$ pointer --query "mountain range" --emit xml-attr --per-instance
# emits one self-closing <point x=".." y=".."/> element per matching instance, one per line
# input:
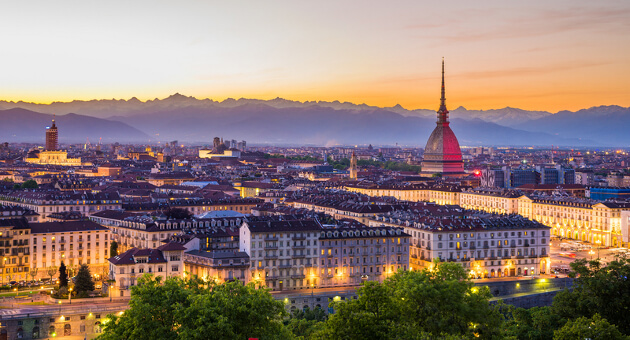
<point x="281" y="121"/>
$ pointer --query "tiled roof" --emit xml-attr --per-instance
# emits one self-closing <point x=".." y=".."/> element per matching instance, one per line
<point x="128" y="257"/>
<point x="56" y="227"/>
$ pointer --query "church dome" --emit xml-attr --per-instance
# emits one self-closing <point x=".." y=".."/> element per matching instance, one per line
<point x="443" y="141"/>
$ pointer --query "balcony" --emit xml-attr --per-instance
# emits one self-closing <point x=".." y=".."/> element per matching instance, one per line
<point x="271" y="257"/>
<point x="299" y="247"/>
<point x="298" y="276"/>
<point x="285" y="266"/>
<point x="271" y="238"/>
<point x="297" y="256"/>
<point x="271" y="246"/>
<point x="298" y="238"/>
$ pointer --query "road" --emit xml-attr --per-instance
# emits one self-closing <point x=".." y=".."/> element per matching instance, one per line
<point x="67" y="308"/>
<point x="563" y="262"/>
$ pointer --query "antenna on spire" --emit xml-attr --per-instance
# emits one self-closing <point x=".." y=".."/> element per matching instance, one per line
<point x="443" y="112"/>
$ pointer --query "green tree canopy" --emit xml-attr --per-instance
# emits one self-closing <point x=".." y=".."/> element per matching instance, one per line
<point x="30" y="184"/>
<point x="179" y="308"/>
<point x="63" y="276"/>
<point x="113" y="249"/>
<point x="177" y="213"/>
<point x="595" y="328"/>
<point x="413" y="304"/>
<point x="83" y="282"/>
<point x="306" y="323"/>
<point x="537" y="323"/>
<point x="603" y="290"/>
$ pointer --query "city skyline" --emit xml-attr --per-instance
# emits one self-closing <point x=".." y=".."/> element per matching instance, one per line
<point x="537" y="56"/>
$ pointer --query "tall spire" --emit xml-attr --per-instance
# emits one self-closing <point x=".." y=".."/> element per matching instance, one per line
<point x="442" y="112"/>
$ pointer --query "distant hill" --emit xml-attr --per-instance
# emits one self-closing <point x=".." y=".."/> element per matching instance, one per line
<point x="317" y="122"/>
<point x="322" y="126"/>
<point x="609" y="125"/>
<point x="106" y="108"/>
<point x="20" y="125"/>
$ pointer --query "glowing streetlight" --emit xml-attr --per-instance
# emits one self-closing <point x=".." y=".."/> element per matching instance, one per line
<point x="70" y="295"/>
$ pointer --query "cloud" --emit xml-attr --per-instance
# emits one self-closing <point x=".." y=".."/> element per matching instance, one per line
<point x="530" y="70"/>
<point x="528" y="24"/>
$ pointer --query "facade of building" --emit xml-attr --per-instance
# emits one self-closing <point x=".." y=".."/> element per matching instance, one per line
<point x="486" y="246"/>
<point x="125" y="269"/>
<point x="351" y="255"/>
<point x="15" y="238"/>
<point x="51" y="154"/>
<point x="353" y="166"/>
<point x="283" y="254"/>
<point x="45" y="203"/>
<point x="568" y="216"/>
<point x="52" y="137"/>
<point x="72" y="242"/>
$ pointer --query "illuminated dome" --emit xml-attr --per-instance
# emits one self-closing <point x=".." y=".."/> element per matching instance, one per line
<point x="442" y="153"/>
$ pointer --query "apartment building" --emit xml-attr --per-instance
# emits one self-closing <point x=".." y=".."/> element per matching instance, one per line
<point x="134" y="230"/>
<point x="568" y="216"/>
<point x="71" y="242"/>
<point x="45" y="203"/>
<point x="283" y="253"/>
<point x="14" y="249"/>
<point x="486" y="245"/>
<point x="491" y="200"/>
<point x="349" y="255"/>
<point x="125" y="269"/>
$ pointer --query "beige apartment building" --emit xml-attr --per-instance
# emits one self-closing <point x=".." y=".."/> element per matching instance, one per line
<point x="73" y="242"/>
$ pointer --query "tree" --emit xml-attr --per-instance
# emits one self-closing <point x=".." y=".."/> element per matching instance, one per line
<point x="177" y="213"/>
<point x="30" y="184"/>
<point x="51" y="271"/>
<point x="83" y="282"/>
<point x="537" y="323"/>
<point x="179" y="308"/>
<point x="597" y="290"/>
<point x="33" y="273"/>
<point x="413" y="304"/>
<point x="63" y="276"/>
<point x="589" y="328"/>
<point x="306" y="323"/>
<point x="113" y="249"/>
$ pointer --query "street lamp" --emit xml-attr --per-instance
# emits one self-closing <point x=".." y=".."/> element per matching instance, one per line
<point x="16" y="291"/>
<point x="70" y="295"/>
<point x="312" y="292"/>
<point x="110" y="292"/>
<point x="598" y="242"/>
<point x="591" y="252"/>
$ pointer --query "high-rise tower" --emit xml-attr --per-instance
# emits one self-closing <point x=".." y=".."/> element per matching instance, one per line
<point x="442" y="153"/>
<point x="52" y="136"/>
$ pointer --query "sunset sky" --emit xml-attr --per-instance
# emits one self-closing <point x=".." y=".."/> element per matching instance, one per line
<point x="536" y="55"/>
